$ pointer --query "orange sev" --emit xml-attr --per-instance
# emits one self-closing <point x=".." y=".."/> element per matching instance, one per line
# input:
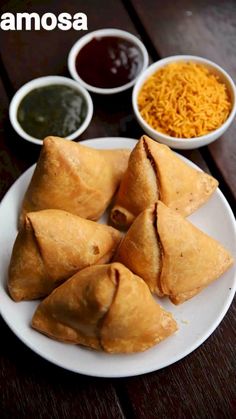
<point x="184" y="100"/>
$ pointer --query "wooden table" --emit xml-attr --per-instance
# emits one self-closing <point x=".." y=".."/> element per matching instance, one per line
<point x="203" y="384"/>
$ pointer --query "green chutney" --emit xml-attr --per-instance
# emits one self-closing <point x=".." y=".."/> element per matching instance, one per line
<point x="52" y="110"/>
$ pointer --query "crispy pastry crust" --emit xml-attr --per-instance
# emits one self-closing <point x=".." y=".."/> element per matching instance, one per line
<point x="51" y="246"/>
<point x="74" y="178"/>
<point x="104" y="307"/>
<point x="140" y="249"/>
<point x="155" y="172"/>
<point x="191" y="259"/>
<point x="174" y="257"/>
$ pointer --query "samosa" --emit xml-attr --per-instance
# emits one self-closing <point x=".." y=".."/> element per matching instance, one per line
<point x="156" y="173"/>
<point x="74" y="178"/>
<point x="51" y="246"/>
<point x="174" y="257"/>
<point x="107" y="308"/>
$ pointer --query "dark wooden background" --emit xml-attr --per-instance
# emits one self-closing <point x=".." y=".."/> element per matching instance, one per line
<point x="203" y="384"/>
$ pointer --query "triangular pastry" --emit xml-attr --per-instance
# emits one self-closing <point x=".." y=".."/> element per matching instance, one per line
<point x="51" y="246"/>
<point x="107" y="308"/>
<point x="155" y="172"/>
<point x="74" y="178"/>
<point x="174" y="257"/>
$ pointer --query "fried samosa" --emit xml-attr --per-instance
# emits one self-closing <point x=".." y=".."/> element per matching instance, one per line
<point x="174" y="257"/>
<point x="74" y="178"/>
<point x="51" y="246"/>
<point x="155" y="172"/>
<point x="107" y="308"/>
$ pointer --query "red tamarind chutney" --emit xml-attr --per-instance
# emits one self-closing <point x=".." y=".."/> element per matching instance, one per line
<point x="109" y="62"/>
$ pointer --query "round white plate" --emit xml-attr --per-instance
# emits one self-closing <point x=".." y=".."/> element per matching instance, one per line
<point x="197" y="318"/>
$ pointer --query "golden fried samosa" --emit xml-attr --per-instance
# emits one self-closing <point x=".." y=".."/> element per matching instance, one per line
<point x="155" y="172"/>
<point x="51" y="246"/>
<point x="174" y="257"/>
<point x="74" y="178"/>
<point x="107" y="308"/>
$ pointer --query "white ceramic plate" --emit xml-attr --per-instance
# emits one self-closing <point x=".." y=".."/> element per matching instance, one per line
<point x="197" y="318"/>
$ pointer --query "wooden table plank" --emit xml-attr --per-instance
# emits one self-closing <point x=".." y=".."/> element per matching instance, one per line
<point x="205" y="28"/>
<point x="27" y="55"/>
<point x="36" y="385"/>
<point x="16" y="155"/>
<point x="32" y="387"/>
<point x="23" y="62"/>
<point x="8" y="171"/>
<point x="202" y="385"/>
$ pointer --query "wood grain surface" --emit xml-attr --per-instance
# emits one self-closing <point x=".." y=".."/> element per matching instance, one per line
<point x="112" y="117"/>
<point x="203" y="384"/>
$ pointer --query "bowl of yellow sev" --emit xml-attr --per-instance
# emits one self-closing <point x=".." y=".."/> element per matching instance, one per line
<point x="184" y="101"/>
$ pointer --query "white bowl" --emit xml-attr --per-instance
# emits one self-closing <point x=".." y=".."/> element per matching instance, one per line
<point x="184" y="143"/>
<point x="104" y="33"/>
<point x="46" y="81"/>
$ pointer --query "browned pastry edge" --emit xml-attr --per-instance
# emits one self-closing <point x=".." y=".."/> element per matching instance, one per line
<point x="116" y="279"/>
<point x="153" y="165"/>
<point x="159" y="244"/>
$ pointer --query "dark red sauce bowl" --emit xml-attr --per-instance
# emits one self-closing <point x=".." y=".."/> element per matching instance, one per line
<point x="107" y="61"/>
